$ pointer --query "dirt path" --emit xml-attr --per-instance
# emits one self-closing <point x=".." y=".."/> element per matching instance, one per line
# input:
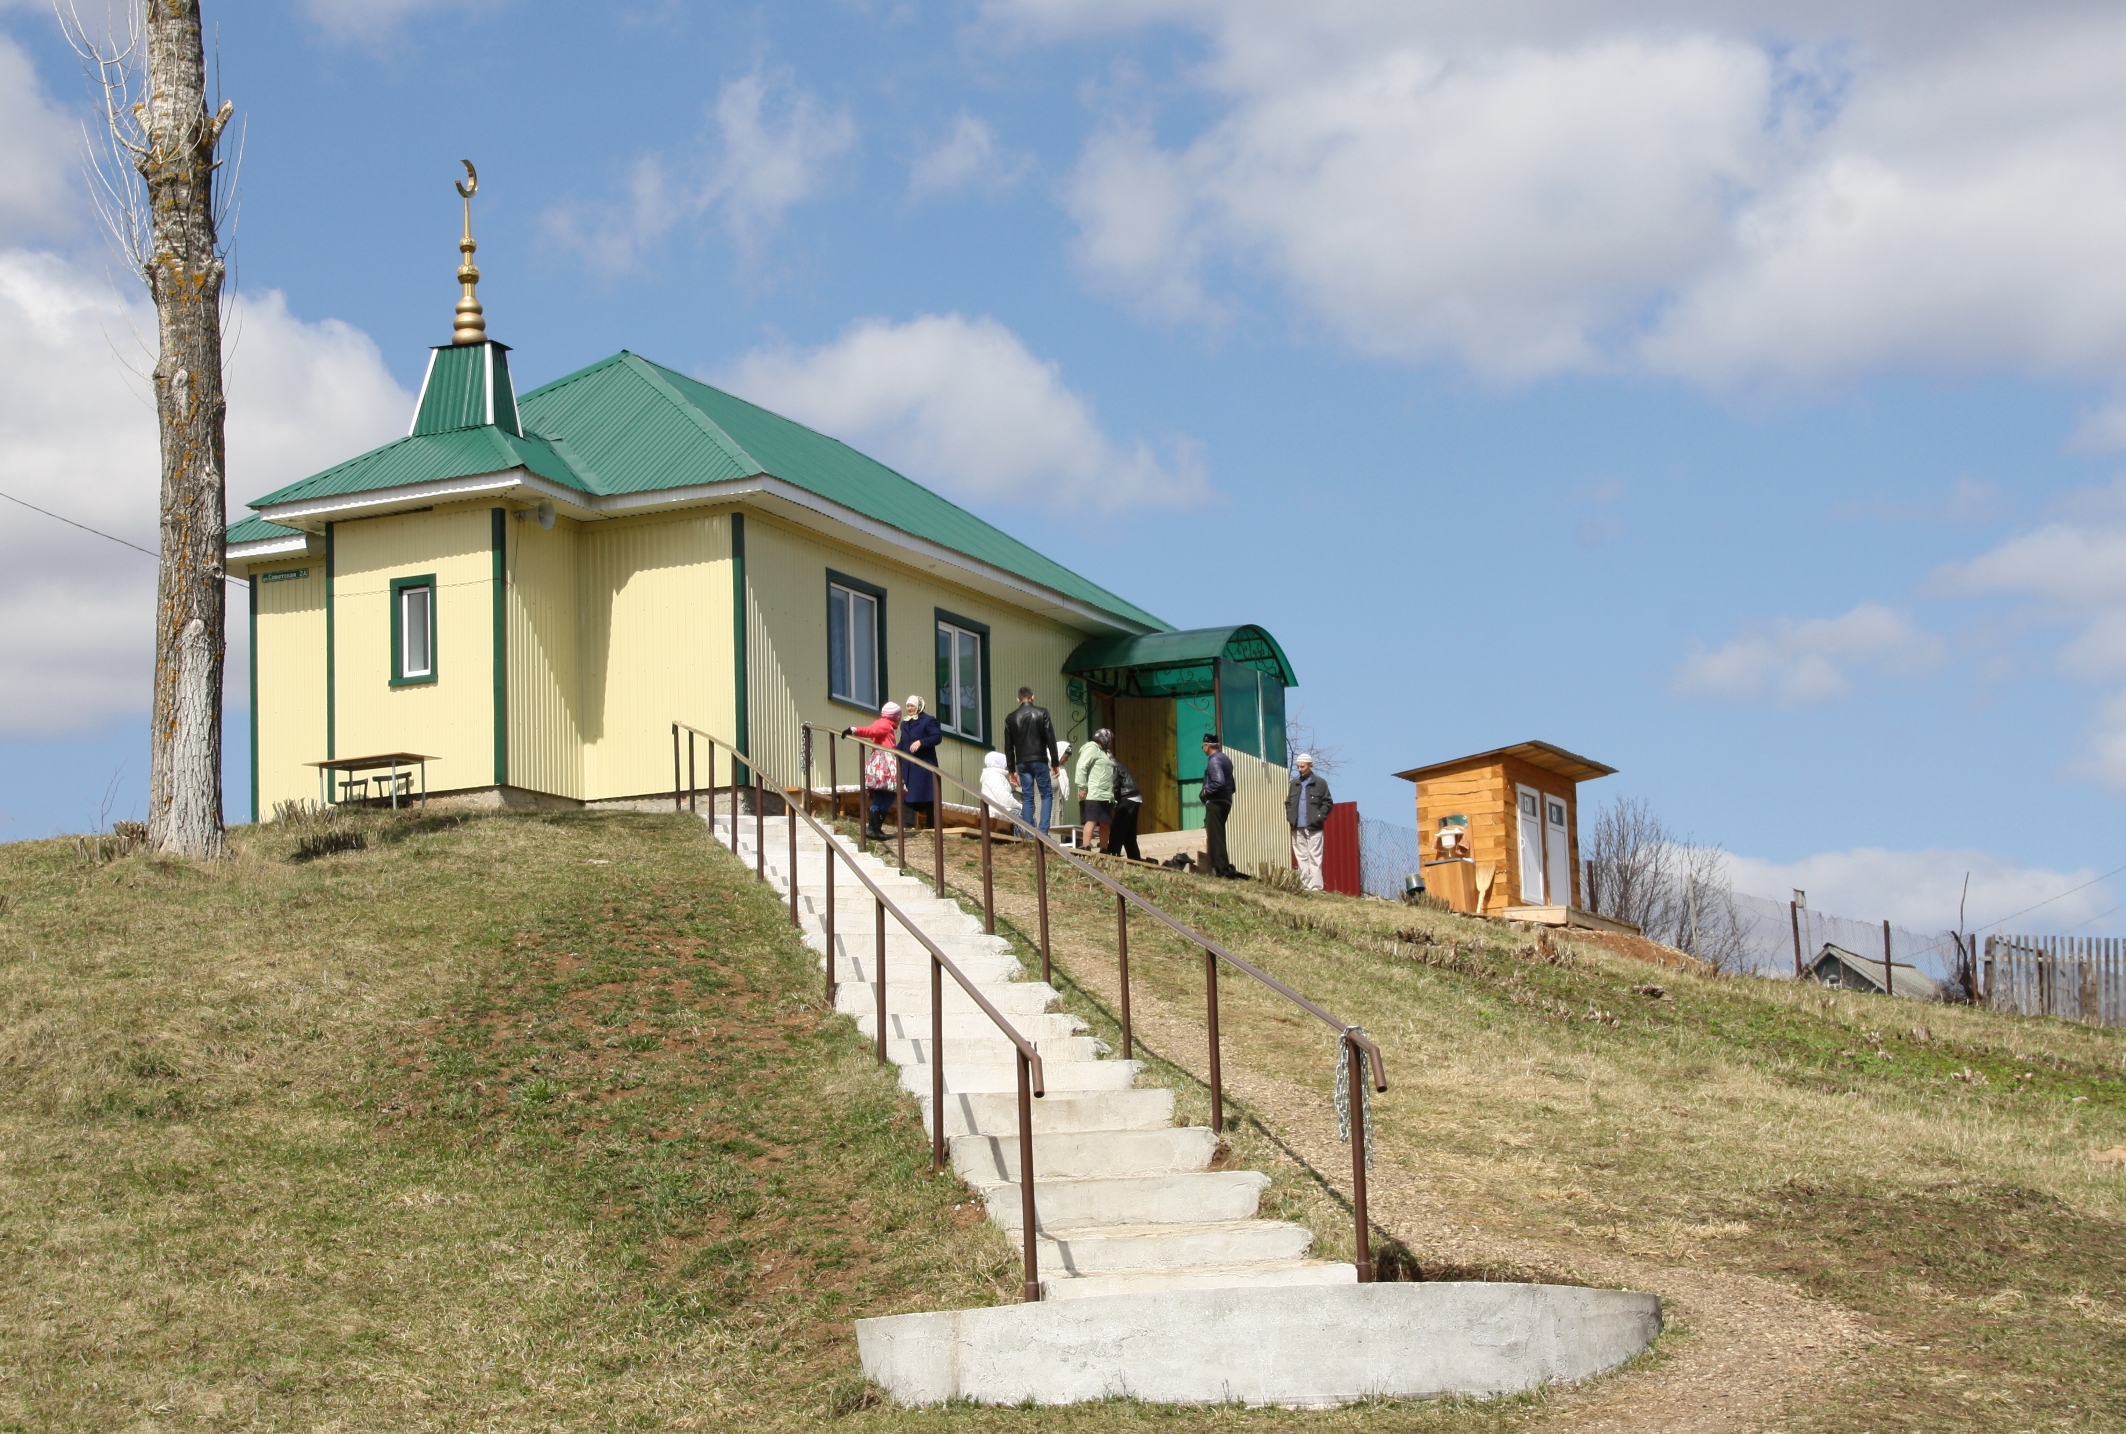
<point x="1742" y="1352"/>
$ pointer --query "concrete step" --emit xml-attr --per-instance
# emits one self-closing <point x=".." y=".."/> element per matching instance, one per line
<point x="1064" y="1112"/>
<point x="990" y="1049"/>
<point x="1275" y="1274"/>
<point x="1135" y="1200"/>
<point x="984" y="967"/>
<point x="1299" y="1346"/>
<point x="1064" y="1075"/>
<point x="1133" y="1249"/>
<point x="915" y="1025"/>
<point x="1011" y="997"/>
<point x="1176" y="1150"/>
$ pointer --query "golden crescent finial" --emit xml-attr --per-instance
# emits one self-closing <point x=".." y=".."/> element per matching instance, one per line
<point x="471" y="324"/>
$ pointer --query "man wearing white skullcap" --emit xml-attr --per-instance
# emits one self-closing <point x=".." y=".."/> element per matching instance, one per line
<point x="1306" y="807"/>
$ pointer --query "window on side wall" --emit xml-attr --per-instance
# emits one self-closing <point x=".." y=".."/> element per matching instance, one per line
<point x="962" y="673"/>
<point x="413" y="630"/>
<point x="855" y="660"/>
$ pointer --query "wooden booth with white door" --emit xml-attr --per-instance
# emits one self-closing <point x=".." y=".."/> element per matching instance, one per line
<point x="1500" y="830"/>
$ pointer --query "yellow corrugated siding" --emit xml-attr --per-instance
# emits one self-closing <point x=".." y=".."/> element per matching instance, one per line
<point x="545" y="680"/>
<point x="452" y="718"/>
<point x="290" y="653"/>
<point x="654" y="640"/>
<point x="786" y="573"/>
<point x="1257" y="832"/>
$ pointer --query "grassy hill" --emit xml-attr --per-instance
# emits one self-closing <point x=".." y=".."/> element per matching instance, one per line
<point x="529" y="1122"/>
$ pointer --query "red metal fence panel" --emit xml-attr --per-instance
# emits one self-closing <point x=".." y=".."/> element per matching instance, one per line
<point x="1341" y="870"/>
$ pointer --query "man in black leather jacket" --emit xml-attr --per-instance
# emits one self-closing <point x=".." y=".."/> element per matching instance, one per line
<point x="1030" y="749"/>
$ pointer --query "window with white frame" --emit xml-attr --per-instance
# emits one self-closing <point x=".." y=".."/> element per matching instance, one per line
<point x="413" y="630"/>
<point x="853" y="667"/>
<point x="960" y="686"/>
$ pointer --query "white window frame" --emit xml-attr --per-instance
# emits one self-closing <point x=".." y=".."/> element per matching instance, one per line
<point x="955" y="723"/>
<point x="845" y="600"/>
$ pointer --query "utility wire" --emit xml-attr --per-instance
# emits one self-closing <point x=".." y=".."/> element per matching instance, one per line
<point x="99" y="532"/>
<point x="2050" y="899"/>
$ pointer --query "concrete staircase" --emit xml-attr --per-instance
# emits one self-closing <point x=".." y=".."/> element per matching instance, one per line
<point x="1159" y="1279"/>
<point x="1124" y="1200"/>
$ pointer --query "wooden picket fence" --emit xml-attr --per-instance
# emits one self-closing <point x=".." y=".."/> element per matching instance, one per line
<point x="2075" y="978"/>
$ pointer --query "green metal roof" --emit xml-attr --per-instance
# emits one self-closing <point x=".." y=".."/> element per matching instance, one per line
<point x="1198" y="647"/>
<point x="252" y="530"/>
<point x="626" y="425"/>
<point x="463" y="382"/>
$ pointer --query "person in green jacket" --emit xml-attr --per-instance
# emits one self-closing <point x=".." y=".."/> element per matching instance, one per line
<point x="1095" y="778"/>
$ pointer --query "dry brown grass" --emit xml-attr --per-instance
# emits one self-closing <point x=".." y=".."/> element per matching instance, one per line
<point x="1896" y="1199"/>
<point x="499" y="1123"/>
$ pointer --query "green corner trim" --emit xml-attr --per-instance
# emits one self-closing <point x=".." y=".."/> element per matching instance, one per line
<point x="738" y="641"/>
<point x="398" y="648"/>
<point x="499" y="519"/>
<point x="331" y="725"/>
<point x="253" y="586"/>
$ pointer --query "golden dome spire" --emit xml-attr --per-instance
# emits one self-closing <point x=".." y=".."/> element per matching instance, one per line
<point x="471" y="327"/>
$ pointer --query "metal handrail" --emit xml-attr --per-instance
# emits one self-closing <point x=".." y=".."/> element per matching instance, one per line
<point x="1031" y="1080"/>
<point x="1359" y="1046"/>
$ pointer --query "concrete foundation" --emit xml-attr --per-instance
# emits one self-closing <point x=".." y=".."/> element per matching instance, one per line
<point x="1296" y="1346"/>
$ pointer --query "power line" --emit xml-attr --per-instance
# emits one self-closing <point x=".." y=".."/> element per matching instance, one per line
<point x="2050" y="899"/>
<point x="109" y="537"/>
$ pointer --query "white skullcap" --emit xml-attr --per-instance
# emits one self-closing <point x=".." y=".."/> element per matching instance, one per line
<point x="1307" y="757"/>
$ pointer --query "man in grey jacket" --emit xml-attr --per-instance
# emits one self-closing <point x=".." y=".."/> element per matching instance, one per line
<point x="1030" y="749"/>
<point x="1306" y="808"/>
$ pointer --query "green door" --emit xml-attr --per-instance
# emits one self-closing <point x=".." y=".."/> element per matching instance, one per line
<point x="1193" y="718"/>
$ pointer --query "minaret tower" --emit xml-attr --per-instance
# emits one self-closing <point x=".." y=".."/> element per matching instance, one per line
<point x="467" y="385"/>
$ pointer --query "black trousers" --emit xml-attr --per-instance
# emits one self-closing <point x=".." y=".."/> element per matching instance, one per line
<point x="1214" y="815"/>
<point x="1122" y="831"/>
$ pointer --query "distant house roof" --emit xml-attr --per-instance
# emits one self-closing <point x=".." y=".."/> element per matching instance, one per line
<point x="1566" y="764"/>
<point x="1850" y="971"/>
<point x="625" y="426"/>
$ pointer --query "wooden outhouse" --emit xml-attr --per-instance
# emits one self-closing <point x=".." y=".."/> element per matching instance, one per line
<point x="1511" y="822"/>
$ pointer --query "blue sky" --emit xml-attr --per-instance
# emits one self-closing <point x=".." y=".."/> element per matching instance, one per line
<point x="1725" y="391"/>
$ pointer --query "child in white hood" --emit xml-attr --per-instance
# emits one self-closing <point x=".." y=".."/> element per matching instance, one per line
<point x="996" y="785"/>
<point x="1062" y="779"/>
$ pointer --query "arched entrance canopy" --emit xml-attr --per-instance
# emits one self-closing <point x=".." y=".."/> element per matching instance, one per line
<point x="1177" y="664"/>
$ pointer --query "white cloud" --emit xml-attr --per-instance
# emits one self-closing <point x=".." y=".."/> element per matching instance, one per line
<point x="42" y="155"/>
<point x="2072" y="573"/>
<point x="1740" y="192"/>
<point x="76" y="643"/>
<point x="1801" y="663"/>
<point x="1919" y="890"/>
<point x="961" y="405"/>
<point x="968" y="156"/>
<point x="774" y="148"/>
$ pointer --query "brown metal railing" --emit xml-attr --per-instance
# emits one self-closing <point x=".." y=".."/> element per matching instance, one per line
<point x="1359" y="1047"/>
<point x="1027" y="1055"/>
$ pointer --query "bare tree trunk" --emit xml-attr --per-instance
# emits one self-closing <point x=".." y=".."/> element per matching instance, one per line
<point x="184" y="274"/>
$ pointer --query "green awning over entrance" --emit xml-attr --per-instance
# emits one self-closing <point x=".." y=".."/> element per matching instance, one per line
<point x="1177" y="664"/>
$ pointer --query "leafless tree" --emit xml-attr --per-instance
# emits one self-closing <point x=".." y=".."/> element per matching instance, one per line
<point x="1675" y="890"/>
<point x="155" y="176"/>
<point x="1300" y="736"/>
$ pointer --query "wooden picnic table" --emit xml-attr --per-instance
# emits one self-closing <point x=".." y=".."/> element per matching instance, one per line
<point x="382" y="762"/>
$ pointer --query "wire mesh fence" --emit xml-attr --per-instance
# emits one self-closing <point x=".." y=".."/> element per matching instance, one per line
<point x="1387" y="854"/>
<point x="1769" y="939"/>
